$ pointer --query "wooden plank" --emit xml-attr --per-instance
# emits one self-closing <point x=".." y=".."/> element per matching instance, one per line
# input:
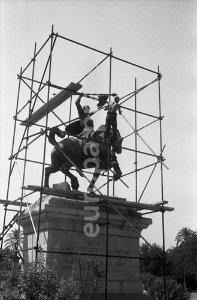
<point x="9" y="202"/>
<point x="54" y="102"/>
<point x="160" y="203"/>
<point x="55" y="192"/>
<point x="140" y="206"/>
<point x="112" y="200"/>
<point x="71" y="194"/>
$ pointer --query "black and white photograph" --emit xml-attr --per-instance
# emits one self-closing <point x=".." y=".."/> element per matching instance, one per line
<point x="98" y="150"/>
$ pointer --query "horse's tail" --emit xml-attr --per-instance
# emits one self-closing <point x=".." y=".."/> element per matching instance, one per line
<point x="55" y="131"/>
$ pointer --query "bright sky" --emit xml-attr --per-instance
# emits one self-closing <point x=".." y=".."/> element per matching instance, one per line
<point x="148" y="33"/>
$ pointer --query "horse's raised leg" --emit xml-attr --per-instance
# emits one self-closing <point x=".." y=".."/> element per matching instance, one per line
<point x="93" y="181"/>
<point x="56" y="164"/>
<point x="48" y="172"/>
<point x="73" y="179"/>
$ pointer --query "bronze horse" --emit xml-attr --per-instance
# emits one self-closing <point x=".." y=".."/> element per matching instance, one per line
<point x="72" y="151"/>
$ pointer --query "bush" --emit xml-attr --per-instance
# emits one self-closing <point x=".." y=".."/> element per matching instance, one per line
<point x="67" y="290"/>
<point x="36" y="282"/>
<point x="154" y="287"/>
<point x="39" y="282"/>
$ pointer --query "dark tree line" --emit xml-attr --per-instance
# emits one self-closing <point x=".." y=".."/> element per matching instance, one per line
<point x="180" y="261"/>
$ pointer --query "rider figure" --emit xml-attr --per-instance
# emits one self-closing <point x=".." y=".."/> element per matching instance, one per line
<point x="86" y="122"/>
<point x="111" y="119"/>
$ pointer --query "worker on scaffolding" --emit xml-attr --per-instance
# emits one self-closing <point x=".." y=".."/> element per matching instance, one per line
<point x="111" y="119"/>
<point x="86" y="122"/>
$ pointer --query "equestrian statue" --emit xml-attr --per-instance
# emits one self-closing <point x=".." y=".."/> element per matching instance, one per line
<point x="84" y="148"/>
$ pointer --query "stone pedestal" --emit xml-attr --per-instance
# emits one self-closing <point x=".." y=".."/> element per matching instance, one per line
<point x="66" y="226"/>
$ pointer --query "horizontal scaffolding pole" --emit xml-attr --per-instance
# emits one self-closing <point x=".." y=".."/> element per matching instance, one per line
<point x="72" y="169"/>
<point x="30" y="79"/>
<point x="140" y="129"/>
<point x="30" y="100"/>
<point x="139" y="112"/>
<point x="32" y="123"/>
<point x="140" y="169"/>
<point x="132" y="94"/>
<point x="104" y="53"/>
<point x="141" y="152"/>
<point x="111" y="179"/>
<point x="24" y="147"/>
<point x="87" y="254"/>
<point x="87" y="95"/>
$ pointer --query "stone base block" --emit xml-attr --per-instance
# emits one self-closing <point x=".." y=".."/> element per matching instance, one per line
<point x="119" y="297"/>
<point x="65" y="242"/>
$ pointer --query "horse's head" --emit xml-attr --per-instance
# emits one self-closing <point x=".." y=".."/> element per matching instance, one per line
<point x="58" y="132"/>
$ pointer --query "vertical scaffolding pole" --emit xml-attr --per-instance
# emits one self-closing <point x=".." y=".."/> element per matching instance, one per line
<point x="136" y="177"/>
<point x="12" y="151"/>
<point x="162" y="190"/>
<point x="107" y="207"/>
<point x="34" y="99"/>
<point x="45" y="141"/>
<point x="27" y="139"/>
<point x="70" y="109"/>
<point x="70" y="112"/>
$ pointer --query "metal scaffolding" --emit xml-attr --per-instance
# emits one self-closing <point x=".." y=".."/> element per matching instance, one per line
<point x="35" y="88"/>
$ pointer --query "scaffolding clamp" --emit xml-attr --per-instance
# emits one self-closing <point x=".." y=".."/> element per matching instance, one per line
<point x="42" y="132"/>
<point x="12" y="157"/>
<point x="160" y="158"/>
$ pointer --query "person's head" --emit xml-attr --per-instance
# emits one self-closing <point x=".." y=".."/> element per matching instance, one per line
<point x="86" y="109"/>
<point x="116" y="99"/>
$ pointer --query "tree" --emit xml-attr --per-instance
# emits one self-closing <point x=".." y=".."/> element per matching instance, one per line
<point x="14" y="239"/>
<point x="184" y="236"/>
<point x="155" y="288"/>
<point x="182" y="259"/>
<point x="151" y="259"/>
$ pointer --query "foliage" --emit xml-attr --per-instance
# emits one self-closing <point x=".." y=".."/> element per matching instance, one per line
<point x="185" y="235"/>
<point x="181" y="261"/>
<point x="14" y="239"/>
<point x="9" y="276"/>
<point x="39" y="281"/>
<point x="154" y="287"/>
<point x="151" y="259"/>
<point x="35" y="282"/>
<point x="88" y="273"/>
<point x="68" y="289"/>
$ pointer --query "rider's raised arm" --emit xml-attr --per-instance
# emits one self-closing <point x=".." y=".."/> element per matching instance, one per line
<point x="79" y="107"/>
